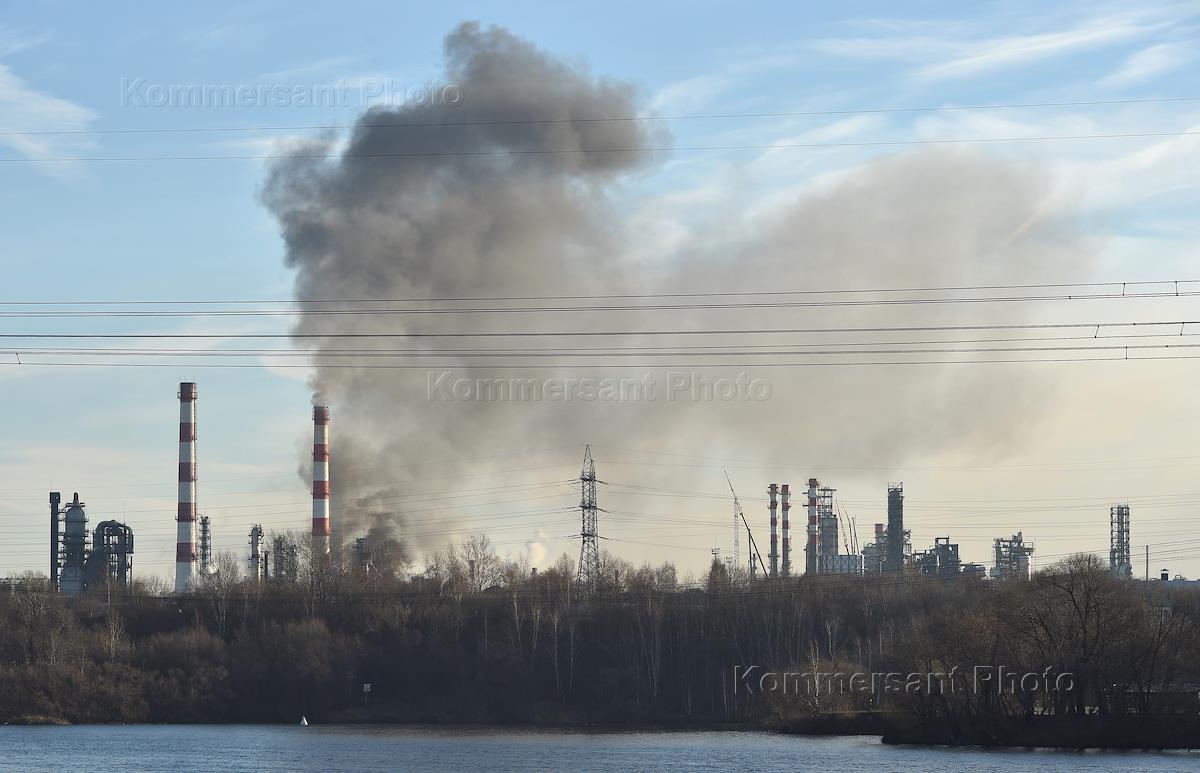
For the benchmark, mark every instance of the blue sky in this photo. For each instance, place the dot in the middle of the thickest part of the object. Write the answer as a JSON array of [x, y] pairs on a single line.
[[195, 229]]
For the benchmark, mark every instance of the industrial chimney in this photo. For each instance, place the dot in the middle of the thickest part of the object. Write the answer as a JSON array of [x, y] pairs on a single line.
[[894, 558], [185, 543], [810, 548], [786, 498], [773, 490], [320, 482]]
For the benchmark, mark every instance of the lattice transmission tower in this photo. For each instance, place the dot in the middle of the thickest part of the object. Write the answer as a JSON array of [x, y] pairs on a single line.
[[206, 564], [589, 551]]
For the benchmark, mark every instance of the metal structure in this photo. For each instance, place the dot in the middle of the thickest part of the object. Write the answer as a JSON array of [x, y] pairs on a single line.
[[1120, 559], [111, 559], [751, 546], [321, 530], [185, 543], [785, 505], [79, 560], [361, 561], [810, 548], [1011, 558], [827, 527], [589, 550], [737, 528], [974, 571], [939, 561], [773, 507], [73, 548], [893, 558], [206, 565], [283, 560], [55, 520], [258, 562], [873, 553]]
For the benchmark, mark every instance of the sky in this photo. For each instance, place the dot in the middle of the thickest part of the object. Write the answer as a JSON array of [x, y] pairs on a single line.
[[197, 230]]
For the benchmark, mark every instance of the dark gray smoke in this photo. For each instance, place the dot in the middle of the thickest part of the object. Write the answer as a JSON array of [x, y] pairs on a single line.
[[506, 219]]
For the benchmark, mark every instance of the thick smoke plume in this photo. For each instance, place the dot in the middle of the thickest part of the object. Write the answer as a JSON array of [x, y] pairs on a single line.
[[505, 218]]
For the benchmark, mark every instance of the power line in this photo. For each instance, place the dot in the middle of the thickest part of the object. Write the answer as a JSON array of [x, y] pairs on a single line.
[[92, 314], [580, 366], [614, 333], [726, 352], [614, 296], [575, 151], [679, 349], [602, 119]]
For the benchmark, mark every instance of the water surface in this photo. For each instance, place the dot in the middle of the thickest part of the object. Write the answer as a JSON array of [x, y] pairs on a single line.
[[334, 749]]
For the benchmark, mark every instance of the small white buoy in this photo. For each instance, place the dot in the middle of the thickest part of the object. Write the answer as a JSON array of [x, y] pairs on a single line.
[[303, 721]]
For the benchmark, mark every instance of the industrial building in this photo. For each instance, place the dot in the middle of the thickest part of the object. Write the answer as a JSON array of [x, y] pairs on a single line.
[[829, 559], [80, 561], [257, 569], [1178, 581], [822, 534], [941, 560], [279, 562], [892, 549], [1011, 558], [1120, 559]]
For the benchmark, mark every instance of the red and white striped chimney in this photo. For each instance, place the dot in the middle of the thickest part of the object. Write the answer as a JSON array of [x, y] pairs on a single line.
[[185, 543], [320, 482], [772, 490], [785, 503]]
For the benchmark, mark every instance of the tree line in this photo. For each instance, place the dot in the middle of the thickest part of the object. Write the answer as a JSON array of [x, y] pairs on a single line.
[[471, 637]]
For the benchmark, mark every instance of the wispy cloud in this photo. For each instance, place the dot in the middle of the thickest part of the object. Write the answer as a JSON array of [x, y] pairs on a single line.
[[13, 41], [1016, 50], [943, 50], [319, 67], [1153, 61], [711, 89], [25, 109]]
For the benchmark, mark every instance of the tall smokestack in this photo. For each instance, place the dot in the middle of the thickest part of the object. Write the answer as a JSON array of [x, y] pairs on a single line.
[[787, 535], [773, 490], [185, 543], [894, 559], [320, 481], [810, 548]]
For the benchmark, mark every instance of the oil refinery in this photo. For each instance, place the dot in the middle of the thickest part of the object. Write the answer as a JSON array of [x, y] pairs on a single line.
[[83, 560]]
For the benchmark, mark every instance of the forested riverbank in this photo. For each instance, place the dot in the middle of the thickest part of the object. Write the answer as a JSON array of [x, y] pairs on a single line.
[[450, 645]]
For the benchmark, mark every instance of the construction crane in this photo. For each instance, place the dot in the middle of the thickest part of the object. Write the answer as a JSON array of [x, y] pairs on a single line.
[[739, 516]]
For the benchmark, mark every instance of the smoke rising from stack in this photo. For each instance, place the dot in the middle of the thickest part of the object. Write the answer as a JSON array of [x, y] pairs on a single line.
[[518, 223]]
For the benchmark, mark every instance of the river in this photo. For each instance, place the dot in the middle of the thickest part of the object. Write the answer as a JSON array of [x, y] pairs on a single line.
[[333, 749]]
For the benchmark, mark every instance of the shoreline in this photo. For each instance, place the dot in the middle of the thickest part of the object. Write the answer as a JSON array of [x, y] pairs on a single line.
[[838, 728]]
